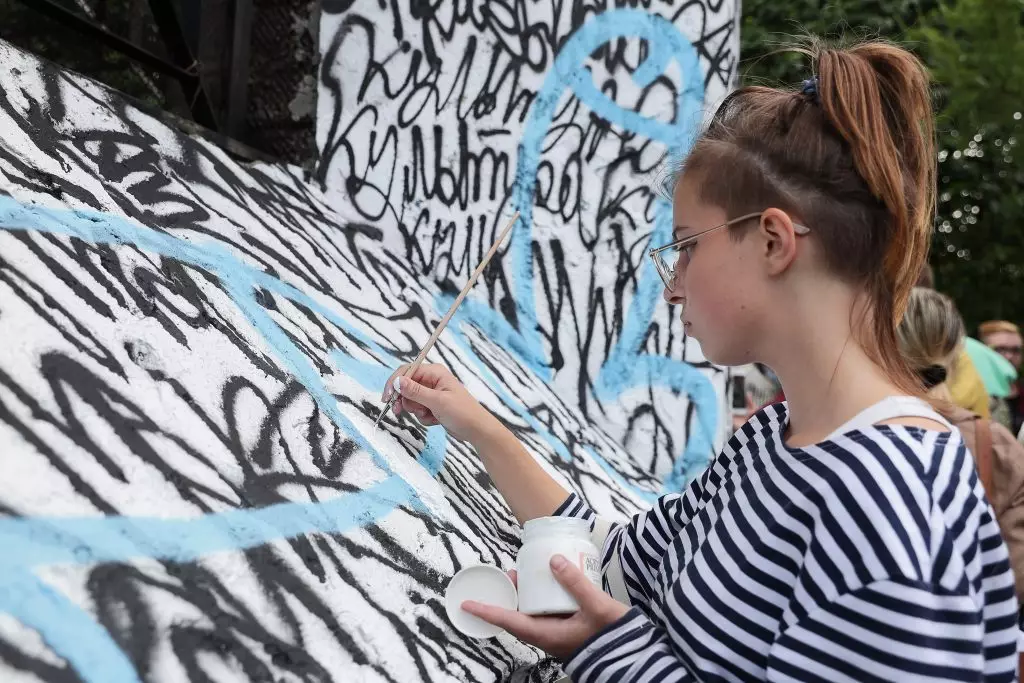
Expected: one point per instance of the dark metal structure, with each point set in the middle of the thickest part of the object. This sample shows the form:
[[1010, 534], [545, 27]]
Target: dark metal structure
[[238, 90]]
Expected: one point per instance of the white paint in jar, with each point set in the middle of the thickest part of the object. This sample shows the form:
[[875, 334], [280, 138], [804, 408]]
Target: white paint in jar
[[543, 538]]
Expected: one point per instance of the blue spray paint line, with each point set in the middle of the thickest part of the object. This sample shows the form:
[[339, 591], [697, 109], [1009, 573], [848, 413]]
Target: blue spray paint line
[[74, 635], [37, 541], [627, 367], [90, 650], [441, 304], [496, 327], [665, 43], [371, 376], [239, 281], [658, 370], [614, 376]]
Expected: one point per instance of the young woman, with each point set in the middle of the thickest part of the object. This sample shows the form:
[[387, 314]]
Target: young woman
[[843, 535]]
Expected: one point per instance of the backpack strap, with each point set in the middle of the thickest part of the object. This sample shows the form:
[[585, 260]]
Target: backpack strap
[[983, 454]]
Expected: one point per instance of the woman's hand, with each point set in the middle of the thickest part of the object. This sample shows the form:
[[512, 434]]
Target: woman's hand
[[558, 636], [434, 396]]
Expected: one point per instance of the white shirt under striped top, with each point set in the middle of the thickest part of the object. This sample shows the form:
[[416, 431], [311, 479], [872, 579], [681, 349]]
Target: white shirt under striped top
[[871, 556]]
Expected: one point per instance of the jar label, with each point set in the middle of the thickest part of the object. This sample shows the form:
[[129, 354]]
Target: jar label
[[591, 566]]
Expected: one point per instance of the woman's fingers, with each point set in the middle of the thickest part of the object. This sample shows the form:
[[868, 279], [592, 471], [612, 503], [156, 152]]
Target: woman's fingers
[[589, 597], [389, 386], [518, 624], [420, 412], [422, 415], [428, 375]]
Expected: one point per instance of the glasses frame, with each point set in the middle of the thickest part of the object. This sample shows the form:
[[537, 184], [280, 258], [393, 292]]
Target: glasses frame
[[684, 242]]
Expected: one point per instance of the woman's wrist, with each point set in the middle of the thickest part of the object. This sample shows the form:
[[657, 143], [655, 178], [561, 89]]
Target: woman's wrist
[[490, 434]]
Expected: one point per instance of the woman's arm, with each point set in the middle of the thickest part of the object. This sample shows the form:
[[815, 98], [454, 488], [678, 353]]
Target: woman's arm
[[522, 482], [435, 396]]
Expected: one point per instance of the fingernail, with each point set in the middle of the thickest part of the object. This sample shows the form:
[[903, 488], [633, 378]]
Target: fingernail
[[398, 384], [558, 563]]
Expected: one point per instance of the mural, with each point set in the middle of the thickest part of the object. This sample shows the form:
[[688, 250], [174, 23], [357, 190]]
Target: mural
[[194, 348], [438, 119]]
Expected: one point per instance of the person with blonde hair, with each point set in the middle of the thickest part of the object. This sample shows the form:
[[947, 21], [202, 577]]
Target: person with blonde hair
[[931, 338], [966, 387]]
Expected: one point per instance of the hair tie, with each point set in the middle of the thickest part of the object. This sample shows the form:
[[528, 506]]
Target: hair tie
[[933, 376], [811, 88]]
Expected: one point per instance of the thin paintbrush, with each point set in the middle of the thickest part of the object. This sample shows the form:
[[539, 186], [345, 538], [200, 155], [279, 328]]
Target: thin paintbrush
[[448, 316]]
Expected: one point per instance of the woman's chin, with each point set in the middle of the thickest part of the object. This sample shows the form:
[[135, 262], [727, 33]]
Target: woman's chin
[[718, 356]]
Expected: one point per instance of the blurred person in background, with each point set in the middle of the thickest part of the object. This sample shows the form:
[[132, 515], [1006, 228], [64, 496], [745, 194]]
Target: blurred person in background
[[1004, 338], [966, 388]]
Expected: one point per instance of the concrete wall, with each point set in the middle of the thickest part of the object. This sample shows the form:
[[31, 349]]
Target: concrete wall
[[193, 348]]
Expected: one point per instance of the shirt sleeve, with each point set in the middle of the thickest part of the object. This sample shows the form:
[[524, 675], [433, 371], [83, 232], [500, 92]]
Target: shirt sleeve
[[633, 551], [893, 630], [631, 650]]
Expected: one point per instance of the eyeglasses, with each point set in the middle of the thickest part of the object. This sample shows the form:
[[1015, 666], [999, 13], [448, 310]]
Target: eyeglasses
[[672, 258], [1007, 350]]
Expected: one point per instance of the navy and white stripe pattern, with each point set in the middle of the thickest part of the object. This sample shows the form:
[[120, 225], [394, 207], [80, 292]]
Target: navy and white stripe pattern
[[872, 556]]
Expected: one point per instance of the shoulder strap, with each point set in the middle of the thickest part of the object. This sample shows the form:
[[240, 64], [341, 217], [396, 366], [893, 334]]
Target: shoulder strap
[[983, 456], [891, 408]]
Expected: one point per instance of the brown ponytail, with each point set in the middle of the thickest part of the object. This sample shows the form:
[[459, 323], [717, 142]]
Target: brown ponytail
[[876, 96], [852, 156]]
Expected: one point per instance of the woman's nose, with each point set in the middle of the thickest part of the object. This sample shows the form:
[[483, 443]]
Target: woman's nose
[[674, 294]]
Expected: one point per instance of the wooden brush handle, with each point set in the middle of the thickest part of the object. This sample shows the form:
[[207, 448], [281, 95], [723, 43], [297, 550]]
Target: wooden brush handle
[[458, 300]]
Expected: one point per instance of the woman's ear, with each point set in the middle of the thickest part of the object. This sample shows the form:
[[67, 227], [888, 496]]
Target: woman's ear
[[778, 239]]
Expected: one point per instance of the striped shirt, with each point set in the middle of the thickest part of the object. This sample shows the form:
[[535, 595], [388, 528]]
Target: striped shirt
[[871, 556]]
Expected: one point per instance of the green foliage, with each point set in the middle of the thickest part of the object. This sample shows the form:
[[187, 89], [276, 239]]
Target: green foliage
[[975, 51], [771, 25]]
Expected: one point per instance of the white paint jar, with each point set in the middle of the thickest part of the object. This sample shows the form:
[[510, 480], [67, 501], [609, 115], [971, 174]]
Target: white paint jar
[[543, 538]]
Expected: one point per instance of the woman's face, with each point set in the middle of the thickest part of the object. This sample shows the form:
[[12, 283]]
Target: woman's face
[[719, 289]]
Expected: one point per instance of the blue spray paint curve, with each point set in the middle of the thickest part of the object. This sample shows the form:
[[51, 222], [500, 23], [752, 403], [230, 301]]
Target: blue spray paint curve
[[665, 43], [37, 541], [86, 645], [441, 304], [239, 279], [626, 366], [65, 627]]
